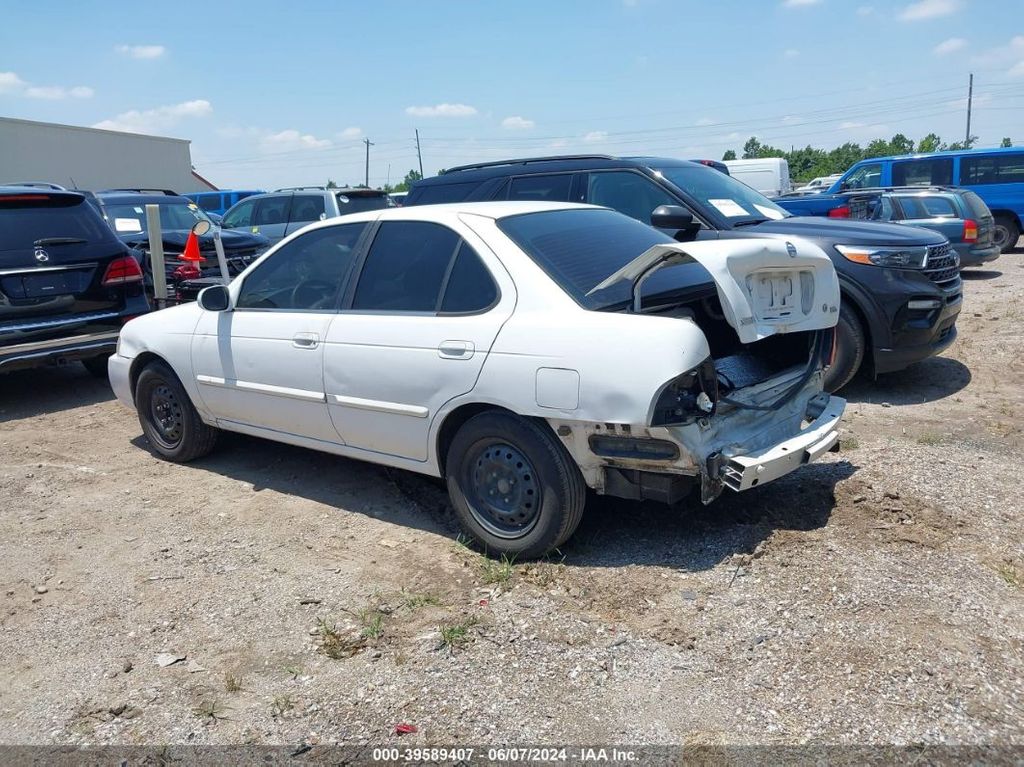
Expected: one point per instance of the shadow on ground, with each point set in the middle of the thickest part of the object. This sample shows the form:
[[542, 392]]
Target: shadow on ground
[[38, 391], [613, 533], [927, 381], [972, 275]]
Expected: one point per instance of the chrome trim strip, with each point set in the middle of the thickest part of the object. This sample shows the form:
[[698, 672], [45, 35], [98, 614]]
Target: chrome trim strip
[[394, 408], [278, 391], [30, 270], [75, 319]]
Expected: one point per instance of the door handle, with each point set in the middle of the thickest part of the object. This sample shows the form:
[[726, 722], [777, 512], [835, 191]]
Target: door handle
[[455, 350], [305, 340]]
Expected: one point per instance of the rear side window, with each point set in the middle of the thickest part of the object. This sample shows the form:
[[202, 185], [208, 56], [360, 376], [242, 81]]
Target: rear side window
[[470, 287], [975, 204], [308, 273], [359, 203], [406, 267], [271, 210], [24, 219], [435, 194], [928, 207], [554, 188], [937, 171], [307, 207], [240, 215], [994, 169]]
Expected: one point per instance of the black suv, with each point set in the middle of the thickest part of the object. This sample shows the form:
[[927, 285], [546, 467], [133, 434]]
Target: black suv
[[125, 212], [901, 285], [67, 284]]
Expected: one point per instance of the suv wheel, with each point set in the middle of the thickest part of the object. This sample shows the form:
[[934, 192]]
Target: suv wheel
[[515, 488], [169, 419], [851, 343], [1006, 233]]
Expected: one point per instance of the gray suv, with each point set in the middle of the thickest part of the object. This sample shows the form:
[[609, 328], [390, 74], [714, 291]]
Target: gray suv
[[277, 214]]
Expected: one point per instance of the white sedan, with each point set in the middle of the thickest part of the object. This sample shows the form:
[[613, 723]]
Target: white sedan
[[524, 351]]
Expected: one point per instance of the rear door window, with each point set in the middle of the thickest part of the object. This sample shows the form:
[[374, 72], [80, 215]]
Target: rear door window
[[307, 207], [470, 287], [935, 171], [271, 210], [552, 187], [405, 267]]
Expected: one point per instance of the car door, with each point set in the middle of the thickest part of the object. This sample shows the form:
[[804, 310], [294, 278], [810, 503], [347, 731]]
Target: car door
[[270, 216], [414, 332], [260, 365], [305, 209]]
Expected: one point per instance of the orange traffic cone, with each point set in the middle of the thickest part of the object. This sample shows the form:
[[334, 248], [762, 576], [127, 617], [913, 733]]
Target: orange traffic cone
[[192, 249]]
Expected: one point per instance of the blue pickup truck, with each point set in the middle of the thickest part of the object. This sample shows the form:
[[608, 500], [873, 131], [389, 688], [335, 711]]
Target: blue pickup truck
[[995, 175]]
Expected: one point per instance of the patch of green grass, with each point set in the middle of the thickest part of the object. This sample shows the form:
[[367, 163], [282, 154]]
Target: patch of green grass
[[294, 671], [211, 709], [496, 571], [336, 645], [373, 626], [849, 443], [232, 683], [416, 601], [929, 438], [1012, 575], [456, 635]]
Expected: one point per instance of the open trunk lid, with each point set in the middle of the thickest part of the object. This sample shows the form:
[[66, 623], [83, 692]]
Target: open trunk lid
[[766, 286]]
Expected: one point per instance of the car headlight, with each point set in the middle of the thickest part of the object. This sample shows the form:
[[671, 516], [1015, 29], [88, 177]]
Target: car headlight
[[897, 257]]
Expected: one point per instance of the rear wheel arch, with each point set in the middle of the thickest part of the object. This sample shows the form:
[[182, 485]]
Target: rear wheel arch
[[453, 421]]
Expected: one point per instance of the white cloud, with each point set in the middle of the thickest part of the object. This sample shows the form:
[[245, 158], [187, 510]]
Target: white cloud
[[790, 119], [1002, 55], [158, 119], [517, 123], [952, 45], [791, 53], [865, 10], [929, 9], [799, 3], [595, 137], [56, 92], [10, 82], [850, 125], [442, 110], [704, 122], [350, 134], [1017, 70], [291, 139], [142, 51], [558, 143]]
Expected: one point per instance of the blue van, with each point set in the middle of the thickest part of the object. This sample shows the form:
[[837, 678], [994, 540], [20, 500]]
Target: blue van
[[218, 202], [995, 175]]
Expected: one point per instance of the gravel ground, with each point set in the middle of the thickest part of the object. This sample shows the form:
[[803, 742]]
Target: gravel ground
[[875, 597]]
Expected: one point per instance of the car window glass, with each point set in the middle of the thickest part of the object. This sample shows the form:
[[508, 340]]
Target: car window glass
[[551, 187], [405, 267], [927, 207], [628, 193], [271, 210], [306, 273], [882, 210], [27, 218], [865, 176], [927, 172], [470, 287], [307, 207], [994, 169], [439, 193], [240, 215], [359, 203]]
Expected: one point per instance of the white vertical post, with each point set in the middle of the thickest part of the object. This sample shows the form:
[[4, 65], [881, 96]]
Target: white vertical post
[[222, 260], [156, 255]]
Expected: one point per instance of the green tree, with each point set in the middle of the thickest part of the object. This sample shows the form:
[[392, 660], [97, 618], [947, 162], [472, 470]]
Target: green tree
[[410, 178], [930, 143], [754, 149], [331, 184], [965, 144], [900, 144], [730, 154], [1006, 142]]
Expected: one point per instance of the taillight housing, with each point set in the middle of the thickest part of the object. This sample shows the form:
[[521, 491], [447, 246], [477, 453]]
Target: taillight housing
[[122, 271], [970, 230], [843, 211], [692, 395]]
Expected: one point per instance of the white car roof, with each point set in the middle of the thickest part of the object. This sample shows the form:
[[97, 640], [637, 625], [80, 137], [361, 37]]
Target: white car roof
[[446, 211]]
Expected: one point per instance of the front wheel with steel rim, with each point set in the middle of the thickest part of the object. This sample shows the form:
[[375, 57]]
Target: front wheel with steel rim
[[168, 418], [515, 488]]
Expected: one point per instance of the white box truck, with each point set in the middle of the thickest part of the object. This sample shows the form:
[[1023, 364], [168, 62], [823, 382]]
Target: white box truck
[[768, 175]]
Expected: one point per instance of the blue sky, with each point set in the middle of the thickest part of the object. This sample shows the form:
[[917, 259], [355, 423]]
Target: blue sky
[[275, 94]]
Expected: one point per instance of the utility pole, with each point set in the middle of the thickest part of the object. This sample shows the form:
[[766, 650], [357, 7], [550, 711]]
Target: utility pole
[[419, 154], [970, 97], [368, 145]]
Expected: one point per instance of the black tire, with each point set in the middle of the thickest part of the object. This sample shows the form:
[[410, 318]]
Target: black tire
[[496, 453], [1006, 233], [169, 419], [851, 343], [97, 367]]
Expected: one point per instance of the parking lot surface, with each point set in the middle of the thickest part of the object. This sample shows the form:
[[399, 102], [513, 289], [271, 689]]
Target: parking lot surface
[[268, 594]]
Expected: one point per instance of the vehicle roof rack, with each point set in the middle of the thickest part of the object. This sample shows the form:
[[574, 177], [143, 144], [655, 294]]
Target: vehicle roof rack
[[304, 189], [143, 190], [528, 160], [908, 188], [36, 185]]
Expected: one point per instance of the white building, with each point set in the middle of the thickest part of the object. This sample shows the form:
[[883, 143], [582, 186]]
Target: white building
[[89, 158]]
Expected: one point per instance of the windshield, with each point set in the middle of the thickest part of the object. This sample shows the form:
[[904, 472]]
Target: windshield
[[128, 218], [730, 200], [579, 248]]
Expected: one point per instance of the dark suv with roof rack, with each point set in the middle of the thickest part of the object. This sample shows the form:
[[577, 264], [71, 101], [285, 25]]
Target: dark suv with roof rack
[[900, 284], [67, 284]]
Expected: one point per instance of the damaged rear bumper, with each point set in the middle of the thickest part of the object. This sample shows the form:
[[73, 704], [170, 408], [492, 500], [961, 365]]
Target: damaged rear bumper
[[742, 472]]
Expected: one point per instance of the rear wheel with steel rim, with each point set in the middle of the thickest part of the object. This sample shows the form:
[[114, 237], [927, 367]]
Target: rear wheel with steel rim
[[1006, 233], [515, 488], [168, 418]]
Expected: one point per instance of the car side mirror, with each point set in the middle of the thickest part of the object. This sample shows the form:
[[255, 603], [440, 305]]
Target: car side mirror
[[675, 217], [214, 298]]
